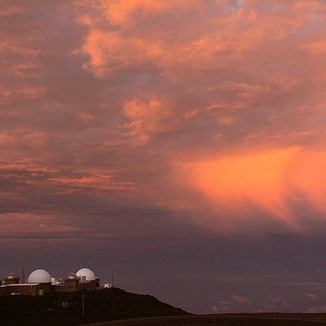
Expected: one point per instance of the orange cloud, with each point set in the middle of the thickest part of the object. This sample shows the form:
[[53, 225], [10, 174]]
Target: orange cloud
[[31, 223], [119, 10], [235, 187], [256, 178], [308, 177], [11, 11], [94, 182], [225, 40], [316, 48], [110, 51], [146, 117]]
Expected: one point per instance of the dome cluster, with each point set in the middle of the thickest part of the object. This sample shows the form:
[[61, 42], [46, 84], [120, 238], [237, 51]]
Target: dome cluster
[[40, 282], [42, 276]]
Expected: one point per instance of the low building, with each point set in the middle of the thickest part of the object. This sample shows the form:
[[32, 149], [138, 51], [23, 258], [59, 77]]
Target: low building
[[70, 284], [24, 289]]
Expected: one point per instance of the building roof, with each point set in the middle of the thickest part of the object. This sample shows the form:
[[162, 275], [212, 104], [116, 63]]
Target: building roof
[[26, 284]]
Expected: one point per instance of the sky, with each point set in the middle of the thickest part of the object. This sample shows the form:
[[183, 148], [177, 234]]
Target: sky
[[178, 143]]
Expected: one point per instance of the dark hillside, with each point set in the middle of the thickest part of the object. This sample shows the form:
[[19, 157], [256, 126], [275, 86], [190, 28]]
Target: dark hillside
[[66, 309]]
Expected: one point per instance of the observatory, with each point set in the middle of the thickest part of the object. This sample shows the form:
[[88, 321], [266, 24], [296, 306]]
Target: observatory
[[40, 282]]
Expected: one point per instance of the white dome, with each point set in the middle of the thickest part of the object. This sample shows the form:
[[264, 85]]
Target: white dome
[[90, 276], [39, 276]]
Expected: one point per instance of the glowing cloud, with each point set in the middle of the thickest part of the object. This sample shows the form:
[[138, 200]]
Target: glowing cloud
[[235, 187]]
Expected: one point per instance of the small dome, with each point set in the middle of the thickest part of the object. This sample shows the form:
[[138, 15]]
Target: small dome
[[90, 276], [39, 276], [12, 276], [72, 276]]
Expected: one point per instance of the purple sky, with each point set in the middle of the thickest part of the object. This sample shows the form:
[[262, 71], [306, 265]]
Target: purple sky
[[179, 143]]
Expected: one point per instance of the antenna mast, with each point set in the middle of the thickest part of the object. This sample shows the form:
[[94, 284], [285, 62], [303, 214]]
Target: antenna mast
[[23, 275]]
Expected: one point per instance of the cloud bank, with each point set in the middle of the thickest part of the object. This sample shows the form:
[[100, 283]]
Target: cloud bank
[[197, 113]]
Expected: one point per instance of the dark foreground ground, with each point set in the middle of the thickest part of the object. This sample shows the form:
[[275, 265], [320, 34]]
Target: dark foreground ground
[[225, 320], [115, 307]]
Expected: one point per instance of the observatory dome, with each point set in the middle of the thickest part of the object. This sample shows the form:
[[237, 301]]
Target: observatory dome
[[89, 275], [12, 276], [72, 276], [39, 276]]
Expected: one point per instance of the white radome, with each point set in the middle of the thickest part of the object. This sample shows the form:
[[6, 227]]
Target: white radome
[[39, 276], [87, 273]]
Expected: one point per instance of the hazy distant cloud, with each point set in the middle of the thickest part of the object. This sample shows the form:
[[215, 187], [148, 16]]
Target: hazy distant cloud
[[224, 302], [279, 302], [241, 299], [220, 309], [311, 296], [313, 310]]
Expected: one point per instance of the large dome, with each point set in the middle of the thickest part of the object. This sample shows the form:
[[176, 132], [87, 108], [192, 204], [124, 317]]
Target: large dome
[[89, 275], [39, 276]]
